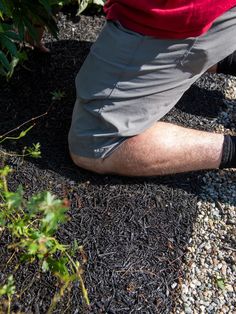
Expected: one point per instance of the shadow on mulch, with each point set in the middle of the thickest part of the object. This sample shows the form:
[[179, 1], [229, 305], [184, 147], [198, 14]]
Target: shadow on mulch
[[134, 230]]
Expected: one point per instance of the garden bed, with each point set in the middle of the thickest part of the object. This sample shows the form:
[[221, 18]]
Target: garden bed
[[135, 231]]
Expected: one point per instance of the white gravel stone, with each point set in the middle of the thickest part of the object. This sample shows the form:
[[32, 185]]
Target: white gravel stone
[[209, 284], [174, 285]]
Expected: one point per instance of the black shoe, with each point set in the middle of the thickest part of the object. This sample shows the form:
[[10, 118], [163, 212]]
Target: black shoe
[[228, 65]]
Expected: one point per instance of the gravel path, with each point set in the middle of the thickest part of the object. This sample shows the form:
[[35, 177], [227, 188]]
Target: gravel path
[[209, 285]]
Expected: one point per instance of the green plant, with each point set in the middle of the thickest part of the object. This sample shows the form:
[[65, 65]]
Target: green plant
[[57, 95], [84, 4], [220, 282], [18, 17], [9, 290], [10, 54], [21, 17], [33, 151], [32, 224]]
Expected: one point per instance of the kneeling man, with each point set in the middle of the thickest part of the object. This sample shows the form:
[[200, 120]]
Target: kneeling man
[[147, 55]]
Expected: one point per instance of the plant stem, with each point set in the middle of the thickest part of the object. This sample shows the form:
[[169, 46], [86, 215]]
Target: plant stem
[[16, 137], [28, 121], [14, 155], [81, 281], [5, 186], [56, 298], [9, 305]]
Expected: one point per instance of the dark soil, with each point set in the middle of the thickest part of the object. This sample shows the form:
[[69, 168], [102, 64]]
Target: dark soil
[[134, 230]]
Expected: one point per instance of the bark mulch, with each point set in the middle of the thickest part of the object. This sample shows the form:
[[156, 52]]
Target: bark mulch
[[134, 230]]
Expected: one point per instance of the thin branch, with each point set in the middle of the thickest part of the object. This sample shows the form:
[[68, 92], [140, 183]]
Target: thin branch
[[14, 155], [28, 121]]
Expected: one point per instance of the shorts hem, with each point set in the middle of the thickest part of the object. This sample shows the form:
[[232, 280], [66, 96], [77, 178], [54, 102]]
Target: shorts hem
[[102, 153]]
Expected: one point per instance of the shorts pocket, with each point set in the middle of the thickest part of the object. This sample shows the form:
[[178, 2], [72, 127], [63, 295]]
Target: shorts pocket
[[103, 68]]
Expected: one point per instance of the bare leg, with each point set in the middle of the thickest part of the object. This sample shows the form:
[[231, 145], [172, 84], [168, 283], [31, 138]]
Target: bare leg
[[163, 149]]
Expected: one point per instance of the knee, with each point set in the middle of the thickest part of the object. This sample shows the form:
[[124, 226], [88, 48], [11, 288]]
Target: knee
[[91, 164]]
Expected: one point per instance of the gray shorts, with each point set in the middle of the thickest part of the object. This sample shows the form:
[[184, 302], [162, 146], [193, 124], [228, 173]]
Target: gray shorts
[[130, 81]]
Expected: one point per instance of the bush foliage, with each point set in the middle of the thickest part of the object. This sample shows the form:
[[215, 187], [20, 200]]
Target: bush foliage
[[18, 17], [32, 224]]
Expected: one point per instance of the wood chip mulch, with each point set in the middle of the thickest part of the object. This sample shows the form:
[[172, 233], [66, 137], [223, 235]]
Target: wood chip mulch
[[134, 230]]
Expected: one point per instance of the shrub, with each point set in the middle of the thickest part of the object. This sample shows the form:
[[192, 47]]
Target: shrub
[[18, 17], [32, 224]]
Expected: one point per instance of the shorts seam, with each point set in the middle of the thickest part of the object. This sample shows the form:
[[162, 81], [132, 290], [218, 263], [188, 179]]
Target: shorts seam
[[187, 52]]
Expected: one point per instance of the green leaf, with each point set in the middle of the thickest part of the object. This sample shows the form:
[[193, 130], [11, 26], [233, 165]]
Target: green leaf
[[34, 151], [46, 5], [18, 228], [5, 171], [14, 199], [9, 288], [74, 247], [23, 133], [8, 44], [45, 266], [4, 61], [27, 258], [83, 5], [57, 95], [21, 29], [12, 35], [220, 283], [33, 248], [22, 56], [59, 267], [13, 64], [2, 219], [5, 7], [98, 2], [5, 27]]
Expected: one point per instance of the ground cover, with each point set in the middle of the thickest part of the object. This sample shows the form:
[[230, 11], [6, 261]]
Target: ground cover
[[135, 231]]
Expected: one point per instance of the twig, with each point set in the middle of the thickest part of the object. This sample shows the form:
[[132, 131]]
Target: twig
[[57, 296], [28, 121], [17, 137], [10, 259], [14, 155], [81, 282]]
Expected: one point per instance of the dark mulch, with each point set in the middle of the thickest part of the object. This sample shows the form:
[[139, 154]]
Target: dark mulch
[[134, 230]]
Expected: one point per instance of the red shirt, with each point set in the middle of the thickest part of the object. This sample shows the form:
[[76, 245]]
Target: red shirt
[[167, 18]]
